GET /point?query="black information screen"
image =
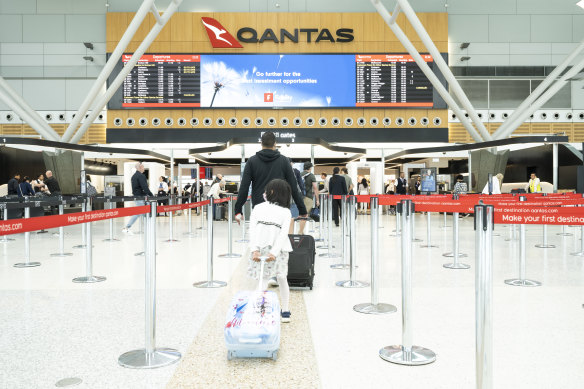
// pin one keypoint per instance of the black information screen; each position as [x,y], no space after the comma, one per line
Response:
[392,80]
[163,80]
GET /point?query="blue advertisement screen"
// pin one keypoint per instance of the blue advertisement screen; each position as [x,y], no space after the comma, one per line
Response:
[273,80]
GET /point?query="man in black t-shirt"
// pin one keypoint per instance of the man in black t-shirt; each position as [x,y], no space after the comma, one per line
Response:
[13,185]
[52,184]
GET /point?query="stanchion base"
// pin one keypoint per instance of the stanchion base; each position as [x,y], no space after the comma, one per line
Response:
[417,355]
[396,235]
[341,266]
[456,266]
[242,241]
[416,240]
[495,234]
[375,309]
[88,279]
[519,282]
[61,254]
[445,227]
[171,240]
[111,240]
[140,359]
[210,284]
[565,234]
[27,264]
[352,284]
[329,255]
[141,253]
[42,232]
[578,254]
[189,234]
[428,245]
[451,255]
[230,255]
[318,239]
[545,246]
[6,240]
[81,246]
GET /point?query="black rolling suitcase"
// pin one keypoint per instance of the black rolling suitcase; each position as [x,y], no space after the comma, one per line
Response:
[301,261]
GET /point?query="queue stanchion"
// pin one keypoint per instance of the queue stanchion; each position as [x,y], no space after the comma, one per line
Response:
[171,223]
[413,229]
[230,253]
[61,252]
[581,252]
[444,224]
[150,356]
[397,231]
[330,246]
[406,353]
[89,278]
[111,237]
[352,282]
[374,307]
[189,223]
[321,219]
[513,233]
[428,232]
[484,215]
[210,283]
[344,236]
[83,228]
[455,254]
[242,222]
[27,262]
[521,280]
[143,237]
[5,238]
[202,218]
[544,244]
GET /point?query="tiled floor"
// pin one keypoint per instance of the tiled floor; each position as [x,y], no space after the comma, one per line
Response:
[52,328]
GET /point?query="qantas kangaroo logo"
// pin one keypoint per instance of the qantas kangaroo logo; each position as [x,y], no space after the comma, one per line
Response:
[218,35]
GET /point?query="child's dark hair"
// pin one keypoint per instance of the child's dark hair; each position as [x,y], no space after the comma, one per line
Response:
[278,192]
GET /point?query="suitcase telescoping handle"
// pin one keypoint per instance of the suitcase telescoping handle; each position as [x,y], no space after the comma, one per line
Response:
[263,259]
[302,218]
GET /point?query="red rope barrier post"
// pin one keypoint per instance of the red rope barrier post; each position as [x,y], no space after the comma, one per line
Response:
[522,281]
[429,237]
[171,221]
[5,238]
[61,252]
[150,356]
[344,236]
[321,218]
[210,283]
[406,353]
[455,254]
[330,246]
[375,307]
[27,262]
[89,278]
[230,253]
[352,282]
[111,224]
[83,226]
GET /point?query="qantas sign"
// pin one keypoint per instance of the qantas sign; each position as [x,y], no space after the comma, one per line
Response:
[221,39]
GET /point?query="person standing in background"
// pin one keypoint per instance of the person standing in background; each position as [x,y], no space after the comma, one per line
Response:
[38,185]
[13,188]
[348,180]
[534,185]
[496,188]
[401,184]
[326,180]
[52,184]
[337,186]
[25,188]
[363,189]
[139,189]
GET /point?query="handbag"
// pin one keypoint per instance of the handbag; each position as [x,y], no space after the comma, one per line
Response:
[315,214]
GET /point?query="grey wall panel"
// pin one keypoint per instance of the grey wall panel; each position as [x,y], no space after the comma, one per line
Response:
[282,6]
[45,94]
[43,28]
[22,71]
[65,48]
[17,86]
[487,48]
[473,7]
[480,60]
[563,48]
[85,28]
[546,7]
[18,6]
[340,6]
[64,60]
[551,28]
[578,94]
[21,48]
[468,28]
[577,28]
[65,72]
[10,28]
[71,7]
[298,5]
[530,59]
[75,92]
[21,60]
[509,28]
[530,48]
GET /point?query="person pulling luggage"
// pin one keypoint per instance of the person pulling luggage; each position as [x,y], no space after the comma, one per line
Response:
[268,228]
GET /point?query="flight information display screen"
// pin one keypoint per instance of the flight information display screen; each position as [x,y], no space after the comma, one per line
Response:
[275,81]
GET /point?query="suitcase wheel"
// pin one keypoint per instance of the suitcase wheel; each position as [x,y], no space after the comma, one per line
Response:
[229,355]
[275,355]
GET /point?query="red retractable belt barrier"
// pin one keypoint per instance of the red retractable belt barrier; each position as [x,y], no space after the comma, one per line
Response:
[38,223]
[178,207]
[540,215]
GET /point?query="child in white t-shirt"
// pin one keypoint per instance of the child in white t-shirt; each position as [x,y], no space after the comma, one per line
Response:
[269,222]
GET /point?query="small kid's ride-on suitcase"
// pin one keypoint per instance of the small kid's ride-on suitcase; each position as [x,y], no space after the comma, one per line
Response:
[252,327]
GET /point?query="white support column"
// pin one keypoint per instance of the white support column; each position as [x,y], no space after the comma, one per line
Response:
[538,91]
[108,68]
[401,36]
[102,101]
[443,66]
[537,104]
[25,111]
[555,167]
